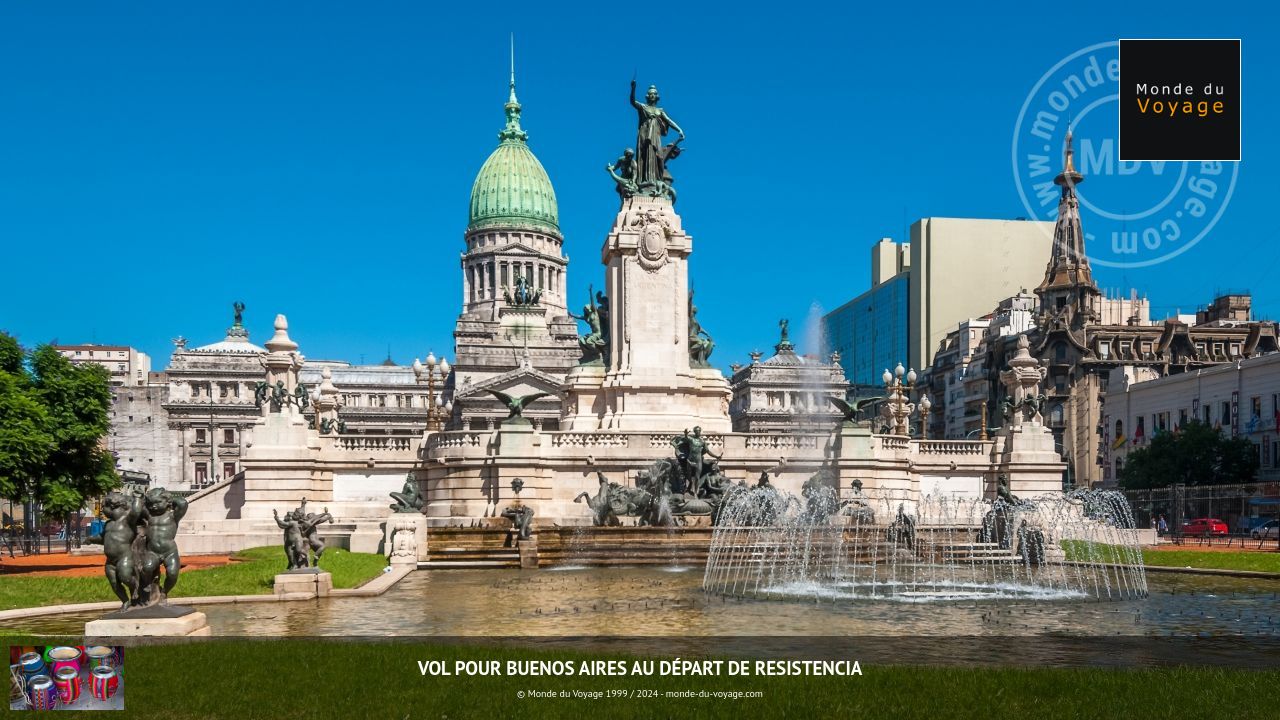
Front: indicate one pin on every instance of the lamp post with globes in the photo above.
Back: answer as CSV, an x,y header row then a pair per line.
x,y
898,395
925,405
432,372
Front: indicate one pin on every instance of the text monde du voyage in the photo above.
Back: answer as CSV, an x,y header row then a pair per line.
x,y
1179,99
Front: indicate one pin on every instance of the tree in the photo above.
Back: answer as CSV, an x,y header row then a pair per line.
x,y
53,418
1195,455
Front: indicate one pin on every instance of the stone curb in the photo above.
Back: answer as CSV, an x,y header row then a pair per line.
x,y
1214,571
376,586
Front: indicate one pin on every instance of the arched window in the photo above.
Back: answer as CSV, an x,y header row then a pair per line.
x,y
1055,415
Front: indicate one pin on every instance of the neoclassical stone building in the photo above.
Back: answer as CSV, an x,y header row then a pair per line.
x,y
514,333
786,393
1081,336
189,425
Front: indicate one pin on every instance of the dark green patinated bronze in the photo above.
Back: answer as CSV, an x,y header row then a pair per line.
x,y
408,500
139,540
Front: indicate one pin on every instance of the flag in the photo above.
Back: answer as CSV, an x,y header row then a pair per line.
x,y
1119,443
1254,422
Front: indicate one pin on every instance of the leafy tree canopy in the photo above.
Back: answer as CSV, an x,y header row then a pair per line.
x,y
53,418
1195,455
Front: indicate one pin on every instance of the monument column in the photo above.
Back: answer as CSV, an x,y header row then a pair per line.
x,y
645,367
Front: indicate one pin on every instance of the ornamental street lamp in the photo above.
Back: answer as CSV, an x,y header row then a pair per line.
x,y
925,405
897,407
432,372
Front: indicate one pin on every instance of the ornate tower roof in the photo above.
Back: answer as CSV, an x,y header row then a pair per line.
x,y
1068,266
512,190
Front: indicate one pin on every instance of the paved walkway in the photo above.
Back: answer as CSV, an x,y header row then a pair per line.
x,y
63,564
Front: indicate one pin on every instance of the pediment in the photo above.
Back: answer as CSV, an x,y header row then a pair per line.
x,y
516,383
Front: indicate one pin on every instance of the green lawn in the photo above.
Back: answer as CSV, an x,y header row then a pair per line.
x,y
1256,561
251,575
245,679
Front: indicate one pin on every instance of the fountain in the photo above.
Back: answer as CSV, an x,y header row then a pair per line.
x,y
938,546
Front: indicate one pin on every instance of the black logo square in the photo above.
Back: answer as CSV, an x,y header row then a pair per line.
x,y
1180,100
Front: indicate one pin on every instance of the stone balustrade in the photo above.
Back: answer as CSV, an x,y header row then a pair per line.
x,y
455,439
378,443
953,447
895,442
587,439
783,442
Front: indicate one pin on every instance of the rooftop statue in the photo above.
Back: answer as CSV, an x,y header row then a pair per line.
x,y
594,344
700,342
644,171
850,411
524,295
516,405
238,307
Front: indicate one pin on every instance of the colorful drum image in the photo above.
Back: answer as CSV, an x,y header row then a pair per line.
x,y
100,656
41,693
67,680
103,682
61,657
32,664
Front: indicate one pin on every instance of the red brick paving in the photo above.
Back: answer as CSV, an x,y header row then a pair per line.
x,y
66,565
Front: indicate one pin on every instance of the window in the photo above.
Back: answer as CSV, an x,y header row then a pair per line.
x,y
1124,347
1206,414
228,436
202,473
1235,349
1055,415
228,469
120,367
1060,352
1104,350
200,435
1225,417
1182,417
1200,349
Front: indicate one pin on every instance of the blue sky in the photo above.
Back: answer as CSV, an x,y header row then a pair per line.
x,y
161,160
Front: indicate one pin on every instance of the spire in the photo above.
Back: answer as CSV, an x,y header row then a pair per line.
x,y
1068,265
513,132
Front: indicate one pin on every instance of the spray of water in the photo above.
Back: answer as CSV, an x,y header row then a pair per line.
x,y
935,547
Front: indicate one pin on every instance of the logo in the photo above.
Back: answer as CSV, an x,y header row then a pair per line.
x,y
1135,214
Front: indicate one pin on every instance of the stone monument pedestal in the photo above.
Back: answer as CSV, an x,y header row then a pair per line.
x,y
157,621
312,581
406,538
528,553
1032,461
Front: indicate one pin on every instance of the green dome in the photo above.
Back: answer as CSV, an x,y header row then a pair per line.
x,y
512,190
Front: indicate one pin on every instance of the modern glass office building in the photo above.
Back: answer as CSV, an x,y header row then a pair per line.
x,y
870,331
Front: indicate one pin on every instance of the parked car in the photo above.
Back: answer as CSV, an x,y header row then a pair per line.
x,y
1266,530
1204,526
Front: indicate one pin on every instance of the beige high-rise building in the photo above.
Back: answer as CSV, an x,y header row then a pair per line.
x,y
961,268
128,366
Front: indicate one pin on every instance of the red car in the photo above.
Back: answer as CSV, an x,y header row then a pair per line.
x,y
1204,526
